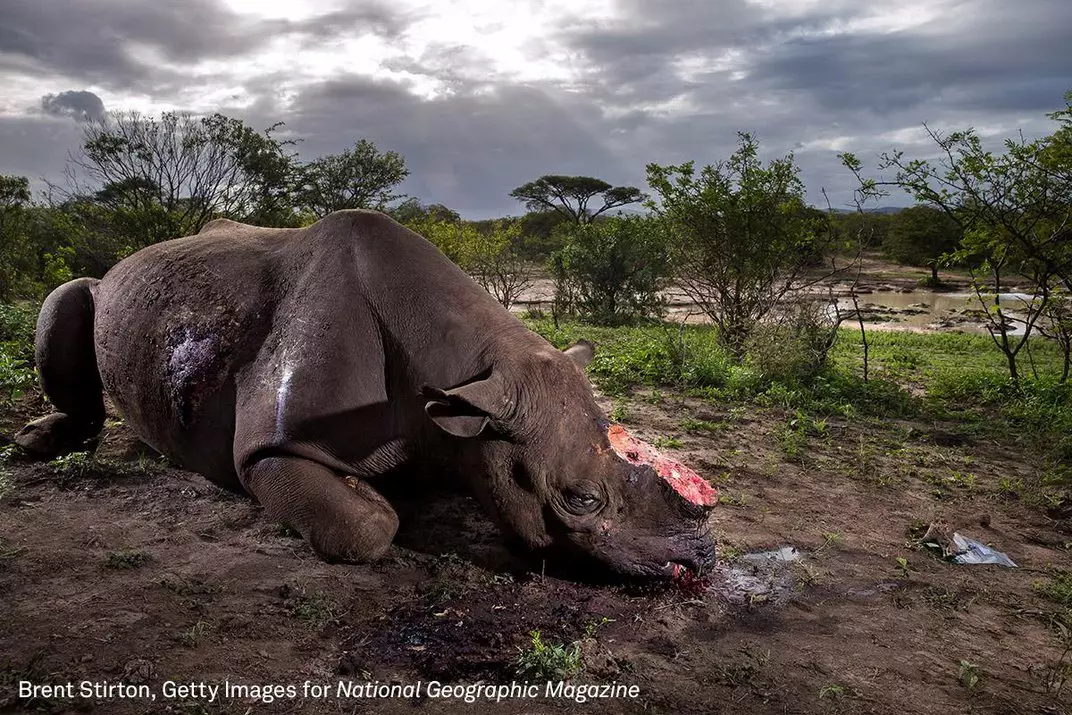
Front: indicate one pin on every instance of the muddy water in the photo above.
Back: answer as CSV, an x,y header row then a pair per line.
x,y
885,308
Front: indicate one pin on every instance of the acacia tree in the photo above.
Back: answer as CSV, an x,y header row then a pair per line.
x,y
359,178
1014,210
159,178
740,236
570,196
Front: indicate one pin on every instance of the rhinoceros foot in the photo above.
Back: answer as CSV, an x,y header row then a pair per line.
x,y
53,435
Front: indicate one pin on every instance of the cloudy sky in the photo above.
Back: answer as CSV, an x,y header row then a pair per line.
x,y
483,95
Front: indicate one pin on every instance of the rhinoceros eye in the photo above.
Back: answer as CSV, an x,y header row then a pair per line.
x,y
581,503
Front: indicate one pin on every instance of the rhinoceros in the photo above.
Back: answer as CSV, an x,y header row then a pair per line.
x,y
305,366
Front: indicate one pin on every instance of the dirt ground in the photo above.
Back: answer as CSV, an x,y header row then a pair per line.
x,y
141,575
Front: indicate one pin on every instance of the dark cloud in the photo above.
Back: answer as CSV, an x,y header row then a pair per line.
x,y
78,104
113,43
466,151
664,81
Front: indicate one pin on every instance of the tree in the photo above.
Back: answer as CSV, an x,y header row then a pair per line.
x,y
14,256
359,178
412,210
1013,209
570,196
162,178
613,271
496,263
740,236
921,236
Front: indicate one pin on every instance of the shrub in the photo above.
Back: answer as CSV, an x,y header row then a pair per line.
x,y
611,272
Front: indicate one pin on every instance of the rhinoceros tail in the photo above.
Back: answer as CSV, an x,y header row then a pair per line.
x,y
67,365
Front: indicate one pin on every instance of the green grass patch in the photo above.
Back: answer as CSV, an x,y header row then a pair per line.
x,y
548,661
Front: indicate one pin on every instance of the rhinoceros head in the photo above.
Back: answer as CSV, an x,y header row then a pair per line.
x,y
555,472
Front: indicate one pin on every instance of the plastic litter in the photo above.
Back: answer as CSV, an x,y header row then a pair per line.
x,y
962,550
970,551
786,553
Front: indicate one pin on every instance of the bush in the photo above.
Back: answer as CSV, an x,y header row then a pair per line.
x,y
611,272
794,347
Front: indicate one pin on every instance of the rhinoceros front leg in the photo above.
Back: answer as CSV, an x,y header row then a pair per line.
x,y
343,519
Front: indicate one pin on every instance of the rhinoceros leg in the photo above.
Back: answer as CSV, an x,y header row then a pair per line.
x,y
67,364
343,519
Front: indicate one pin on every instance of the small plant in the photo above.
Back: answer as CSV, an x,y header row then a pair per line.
x,y
1010,488
1058,589
7,551
740,499
830,539
690,424
316,609
548,661
593,626
654,398
969,676
620,413
904,568
1061,670
7,484
126,560
667,442
834,692
192,638
75,465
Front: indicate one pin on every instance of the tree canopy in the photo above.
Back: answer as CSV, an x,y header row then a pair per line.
x,y
361,177
571,196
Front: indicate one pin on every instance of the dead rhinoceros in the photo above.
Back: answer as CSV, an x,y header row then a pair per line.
x,y
303,365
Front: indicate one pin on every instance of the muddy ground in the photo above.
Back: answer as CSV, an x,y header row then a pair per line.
x,y
140,574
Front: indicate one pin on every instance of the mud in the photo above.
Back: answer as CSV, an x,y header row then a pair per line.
x,y
131,571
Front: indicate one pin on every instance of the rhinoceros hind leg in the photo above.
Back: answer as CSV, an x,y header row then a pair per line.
x,y
67,364
344,520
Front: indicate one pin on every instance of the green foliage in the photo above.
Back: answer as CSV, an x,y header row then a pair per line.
x,y
1012,210
548,661
361,177
17,323
741,235
793,344
969,675
570,196
921,236
161,178
1058,588
612,272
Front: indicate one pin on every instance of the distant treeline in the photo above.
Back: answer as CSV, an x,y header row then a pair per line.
x,y
736,235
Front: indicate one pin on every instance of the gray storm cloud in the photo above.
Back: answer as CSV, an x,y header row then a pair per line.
x,y
79,104
664,81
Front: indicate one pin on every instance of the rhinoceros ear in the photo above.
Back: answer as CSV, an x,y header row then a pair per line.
x,y
465,411
581,352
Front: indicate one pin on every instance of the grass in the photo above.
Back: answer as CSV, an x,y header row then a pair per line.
x,y
193,637
17,324
956,378
314,608
548,661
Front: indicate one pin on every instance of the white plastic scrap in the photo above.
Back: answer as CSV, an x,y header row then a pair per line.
x,y
786,553
970,551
